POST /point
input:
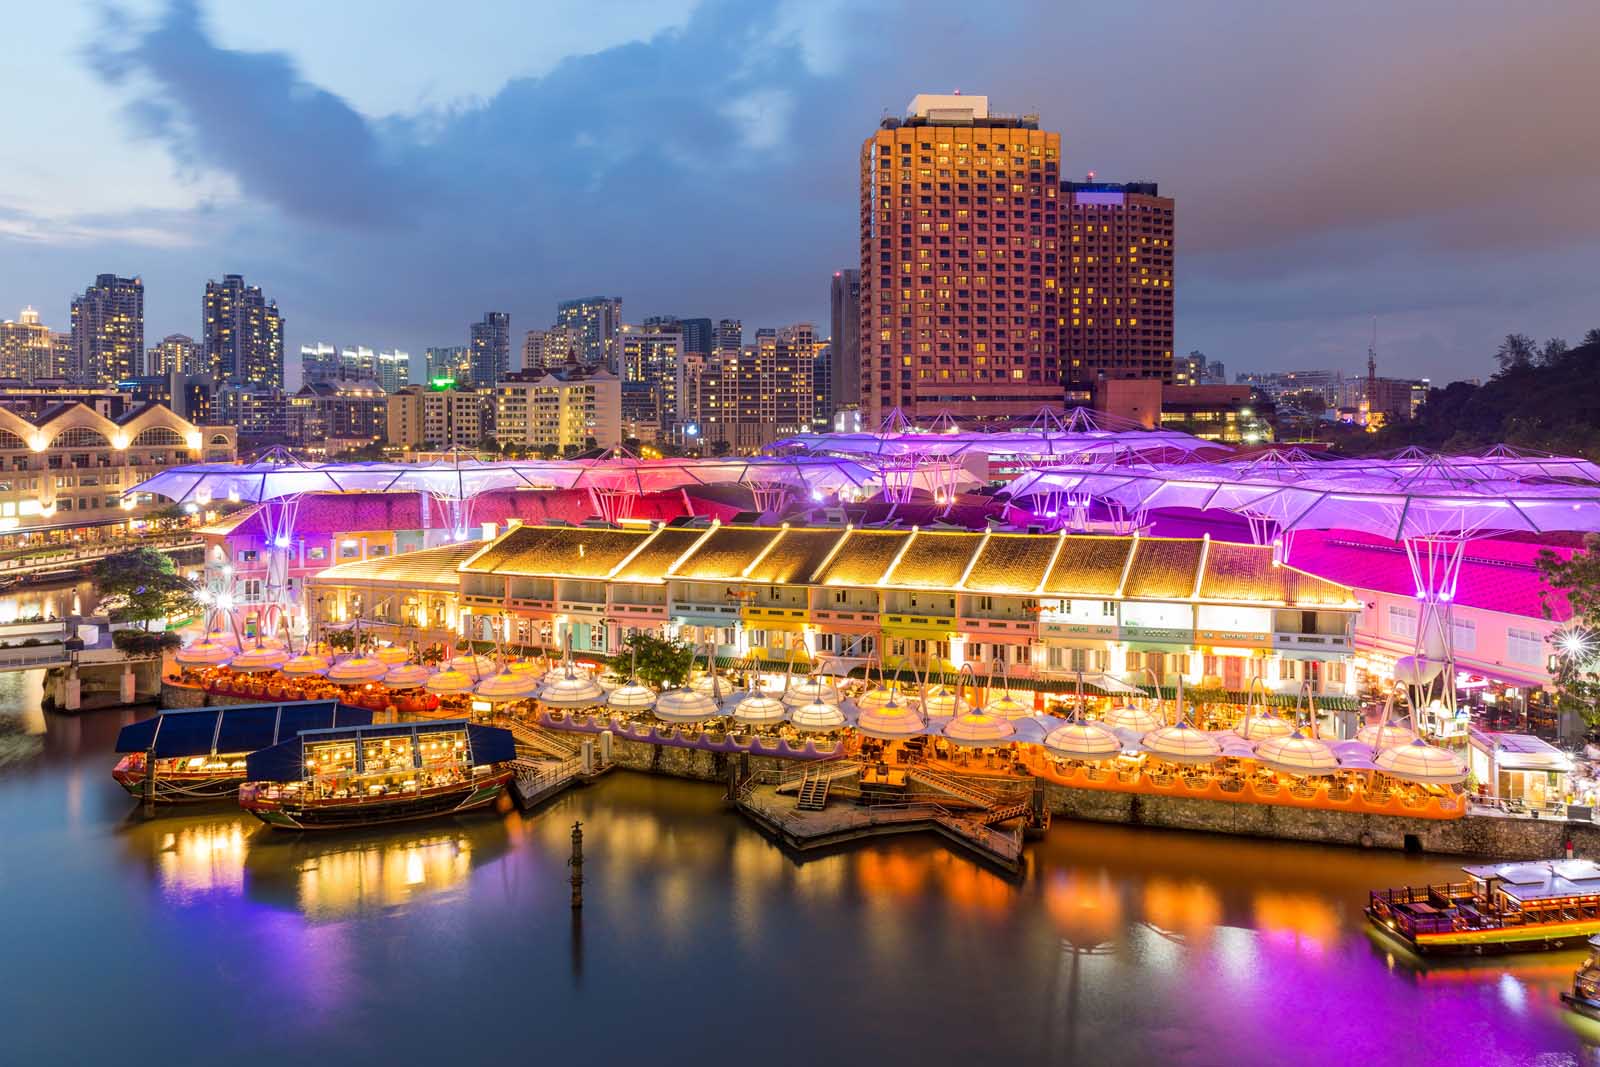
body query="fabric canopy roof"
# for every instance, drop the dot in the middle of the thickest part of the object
(242, 728)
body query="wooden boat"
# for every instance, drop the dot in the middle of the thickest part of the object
(370, 775)
(187, 755)
(1585, 996)
(1501, 908)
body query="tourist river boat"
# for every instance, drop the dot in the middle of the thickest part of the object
(1501, 908)
(1585, 996)
(195, 754)
(370, 775)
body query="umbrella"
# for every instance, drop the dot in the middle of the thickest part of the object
(756, 708)
(1422, 762)
(1260, 725)
(890, 720)
(1132, 717)
(357, 669)
(448, 682)
(259, 659)
(507, 685)
(307, 663)
(204, 654)
(633, 696)
(393, 655)
(573, 690)
(811, 692)
(685, 705)
(1083, 741)
(817, 715)
(407, 676)
(1007, 706)
(1181, 744)
(1387, 736)
(979, 728)
(1296, 754)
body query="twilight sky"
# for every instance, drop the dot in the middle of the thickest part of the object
(387, 170)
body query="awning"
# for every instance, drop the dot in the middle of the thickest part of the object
(243, 728)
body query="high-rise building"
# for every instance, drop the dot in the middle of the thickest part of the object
(448, 361)
(844, 356)
(489, 349)
(26, 350)
(544, 350)
(697, 334)
(1196, 369)
(62, 354)
(178, 353)
(358, 363)
(394, 370)
(594, 322)
(440, 416)
(559, 414)
(739, 401)
(243, 334)
(339, 410)
(960, 276)
(319, 362)
(649, 355)
(1117, 316)
(728, 337)
(108, 330)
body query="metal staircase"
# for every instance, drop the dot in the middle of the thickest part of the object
(813, 790)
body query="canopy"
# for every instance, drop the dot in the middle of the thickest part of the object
(392, 655)
(756, 708)
(259, 659)
(357, 669)
(1181, 743)
(285, 761)
(817, 715)
(306, 663)
(979, 728)
(811, 692)
(1386, 736)
(634, 696)
(1260, 725)
(573, 690)
(1083, 741)
(1007, 706)
(1133, 717)
(508, 685)
(204, 654)
(449, 682)
(1422, 762)
(407, 676)
(890, 720)
(239, 728)
(685, 705)
(1296, 754)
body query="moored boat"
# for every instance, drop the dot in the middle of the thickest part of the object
(370, 775)
(199, 753)
(1501, 908)
(1585, 995)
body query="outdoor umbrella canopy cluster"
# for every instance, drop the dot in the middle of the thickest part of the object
(450, 682)
(407, 676)
(890, 719)
(1296, 754)
(306, 664)
(261, 658)
(1133, 717)
(685, 705)
(507, 685)
(357, 669)
(756, 708)
(1260, 725)
(572, 690)
(810, 692)
(979, 728)
(392, 655)
(1421, 762)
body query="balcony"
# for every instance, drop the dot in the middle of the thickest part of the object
(1078, 630)
(755, 616)
(930, 623)
(979, 625)
(1161, 635)
(1295, 642)
(1237, 638)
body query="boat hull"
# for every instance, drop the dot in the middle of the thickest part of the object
(1582, 1005)
(353, 814)
(1547, 937)
(180, 788)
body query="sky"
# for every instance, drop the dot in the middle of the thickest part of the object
(388, 170)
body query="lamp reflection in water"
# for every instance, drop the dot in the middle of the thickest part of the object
(201, 858)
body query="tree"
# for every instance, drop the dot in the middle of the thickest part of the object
(141, 585)
(1516, 351)
(137, 644)
(1590, 338)
(662, 662)
(1552, 352)
(1577, 651)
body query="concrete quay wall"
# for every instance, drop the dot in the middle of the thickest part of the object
(1471, 835)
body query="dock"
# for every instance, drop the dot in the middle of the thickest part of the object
(547, 764)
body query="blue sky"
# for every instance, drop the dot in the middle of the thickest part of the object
(389, 169)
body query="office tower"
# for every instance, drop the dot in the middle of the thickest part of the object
(358, 363)
(960, 279)
(243, 335)
(108, 330)
(448, 361)
(338, 413)
(728, 337)
(319, 362)
(489, 348)
(394, 370)
(1117, 317)
(26, 350)
(844, 357)
(594, 322)
(62, 354)
(550, 349)
(178, 353)
(697, 334)
(649, 355)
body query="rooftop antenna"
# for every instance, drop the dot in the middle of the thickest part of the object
(1372, 362)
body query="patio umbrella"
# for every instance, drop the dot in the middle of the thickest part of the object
(979, 728)
(1133, 717)
(1386, 736)
(1181, 744)
(407, 676)
(631, 696)
(1086, 740)
(756, 708)
(817, 715)
(891, 720)
(259, 659)
(357, 669)
(811, 692)
(1422, 762)
(1260, 725)
(574, 690)
(1008, 706)
(507, 685)
(393, 655)
(305, 664)
(449, 682)
(685, 705)
(1296, 754)
(204, 654)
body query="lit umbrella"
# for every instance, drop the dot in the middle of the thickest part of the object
(507, 686)
(979, 728)
(392, 655)
(685, 705)
(711, 685)
(449, 682)
(204, 654)
(1007, 706)
(305, 664)
(1422, 762)
(1260, 725)
(1386, 736)
(1181, 744)
(357, 669)
(574, 690)
(477, 666)
(876, 698)
(939, 702)
(407, 676)
(631, 696)
(1296, 754)
(527, 666)
(222, 637)
(1132, 717)
(1083, 740)
(891, 719)
(259, 659)
(756, 708)
(817, 715)
(811, 692)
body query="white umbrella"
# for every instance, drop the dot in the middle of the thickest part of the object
(891, 720)
(756, 708)
(407, 676)
(685, 705)
(1422, 762)
(631, 696)
(204, 654)
(1260, 725)
(1133, 717)
(1083, 740)
(507, 685)
(259, 659)
(979, 728)
(1296, 754)
(392, 655)
(817, 715)
(1181, 744)
(811, 692)
(357, 669)
(449, 683)
(1386, 736)
(574, 690)
(305, 664)
(1008, 706)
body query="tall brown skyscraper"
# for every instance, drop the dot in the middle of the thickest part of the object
(960, 278)
(1116, 316)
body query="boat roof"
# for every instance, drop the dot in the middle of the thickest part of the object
(396, 729)
(176, 732)
(1542, 879)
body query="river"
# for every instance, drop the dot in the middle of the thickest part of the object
(202, 937)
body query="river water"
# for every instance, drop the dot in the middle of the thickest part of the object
(204, 938)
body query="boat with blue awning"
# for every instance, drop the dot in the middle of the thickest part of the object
(194, 754)
(369, 775)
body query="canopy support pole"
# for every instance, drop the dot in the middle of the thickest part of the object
(1435, 568)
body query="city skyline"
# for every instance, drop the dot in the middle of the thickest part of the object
(1301, 218)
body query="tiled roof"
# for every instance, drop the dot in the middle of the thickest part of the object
(935, 560)
(796, 556)
(1012, 563)
(558, 551)
(1089, 566)
(727, 552)
(865, 557)
(1235, 571)
(428, 567)
(1163, 569)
